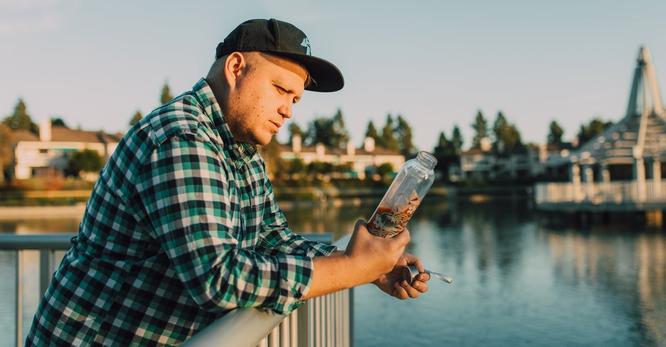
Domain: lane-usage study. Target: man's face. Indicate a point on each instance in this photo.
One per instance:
(263, 97)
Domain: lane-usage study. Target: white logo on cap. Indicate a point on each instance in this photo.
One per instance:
(306, 43)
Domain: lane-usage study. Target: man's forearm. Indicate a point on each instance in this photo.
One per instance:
(332, 273)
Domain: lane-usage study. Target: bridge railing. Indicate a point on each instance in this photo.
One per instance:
(649, 191)
(322, 321)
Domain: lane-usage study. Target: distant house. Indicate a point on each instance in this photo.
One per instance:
(362, 161)
(484, 164)
(50, 151)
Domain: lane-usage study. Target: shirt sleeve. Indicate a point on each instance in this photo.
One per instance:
(184, 190)
(276, 237)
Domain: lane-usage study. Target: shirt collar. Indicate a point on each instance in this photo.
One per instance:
(237, 150)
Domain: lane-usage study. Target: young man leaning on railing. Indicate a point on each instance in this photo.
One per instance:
(182, 225)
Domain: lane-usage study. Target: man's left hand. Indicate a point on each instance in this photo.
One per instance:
(399, 282)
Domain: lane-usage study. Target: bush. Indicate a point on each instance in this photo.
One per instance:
(87, 160)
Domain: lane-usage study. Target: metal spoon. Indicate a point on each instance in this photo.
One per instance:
(440, 276)
(434, 274)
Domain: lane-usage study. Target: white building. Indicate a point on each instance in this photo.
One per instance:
(483, 164)
(361, 160)
(50, 151)
(623, 166)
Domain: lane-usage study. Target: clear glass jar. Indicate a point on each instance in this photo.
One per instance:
(404, 195)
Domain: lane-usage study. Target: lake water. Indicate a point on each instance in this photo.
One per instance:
(517, 282)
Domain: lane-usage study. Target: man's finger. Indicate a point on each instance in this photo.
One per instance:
(414, 260)
(400, 292)
(420, 286)
(411, 291)
(423, 277)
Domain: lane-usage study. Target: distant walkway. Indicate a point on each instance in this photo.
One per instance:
(42, 212)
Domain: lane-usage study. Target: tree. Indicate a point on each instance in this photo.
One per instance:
(500, 127)
(296, 166)
(135, 118)
(6, 151)
(507, 137)
(512, 139)
(403, 133)
(320, 131)
(165, 96)
(388, 139)
(295, 129)
(443, 152)
(339, 132)
(58, 122)
(457, 140)
(555, 134)
(384, 169)
(20, 119)
(591, 130)
(480, 127)
(87, 160)
(371, 131)
(328, 131)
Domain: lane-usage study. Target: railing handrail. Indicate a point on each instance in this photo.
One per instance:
(245, 326)
(240, 327)
(62, 241)
(55, 241)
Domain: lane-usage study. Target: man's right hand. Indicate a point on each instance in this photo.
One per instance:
(372, 256)
(366, 258)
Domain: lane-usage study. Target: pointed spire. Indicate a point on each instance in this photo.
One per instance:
(644, 98)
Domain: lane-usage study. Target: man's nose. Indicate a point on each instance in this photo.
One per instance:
(285, 110)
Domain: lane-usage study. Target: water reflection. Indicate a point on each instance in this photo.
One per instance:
(516, 282)
(626, 267)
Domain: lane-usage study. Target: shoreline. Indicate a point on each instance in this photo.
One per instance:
(326, 198)
(42, 212)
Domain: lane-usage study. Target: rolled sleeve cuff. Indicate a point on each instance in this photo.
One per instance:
(320, 249)
(295, 273)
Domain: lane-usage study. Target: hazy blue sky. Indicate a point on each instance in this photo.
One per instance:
(435, 62)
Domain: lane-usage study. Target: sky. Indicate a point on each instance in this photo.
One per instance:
(94, 63)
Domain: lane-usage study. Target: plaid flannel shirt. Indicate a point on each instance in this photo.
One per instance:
(181, 227)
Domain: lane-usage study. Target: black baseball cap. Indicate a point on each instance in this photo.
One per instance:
(285, 40)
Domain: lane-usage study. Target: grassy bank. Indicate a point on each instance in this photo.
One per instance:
(322, 192)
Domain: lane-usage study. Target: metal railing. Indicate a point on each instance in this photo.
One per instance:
(47, 245)
(325, 321)
(322, 321)
(601, 192)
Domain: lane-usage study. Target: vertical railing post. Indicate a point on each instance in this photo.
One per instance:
(303, 319)
(351, 316)
(284, 333)
(19, 298)
(293, 326)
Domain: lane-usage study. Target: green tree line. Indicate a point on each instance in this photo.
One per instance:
(394, 134)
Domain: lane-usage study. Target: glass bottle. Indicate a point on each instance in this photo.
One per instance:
(404, 195)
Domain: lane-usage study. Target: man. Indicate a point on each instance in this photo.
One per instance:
(182, 225)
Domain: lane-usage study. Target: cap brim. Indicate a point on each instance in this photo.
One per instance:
(325, 77)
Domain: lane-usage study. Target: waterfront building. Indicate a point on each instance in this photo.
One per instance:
(361, 161)
(622, 168)
(484, 164)
(50, 151)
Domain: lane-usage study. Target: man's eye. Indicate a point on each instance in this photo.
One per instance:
(280, 89)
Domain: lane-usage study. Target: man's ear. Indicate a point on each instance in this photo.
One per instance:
(233, 68)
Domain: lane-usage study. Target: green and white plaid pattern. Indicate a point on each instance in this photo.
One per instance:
(181, 227)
